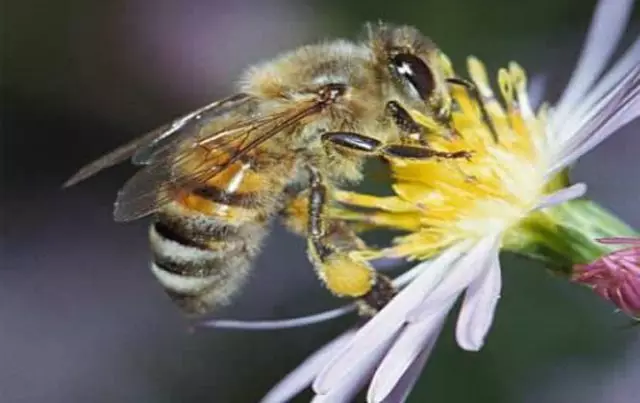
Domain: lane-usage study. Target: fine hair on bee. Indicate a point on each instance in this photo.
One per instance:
(299, 126)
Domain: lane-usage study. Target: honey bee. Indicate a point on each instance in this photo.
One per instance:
(300, 126)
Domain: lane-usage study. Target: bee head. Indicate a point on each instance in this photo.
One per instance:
(414, 64)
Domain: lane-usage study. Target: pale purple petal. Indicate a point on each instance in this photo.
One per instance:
(607, 26)
(301, 377)
(591, 116)
(408, 276)
(304, 375)
(383, 327)
(478, 306)
(460, 275)
(619, 107)
(630, 59)
(562, 195)
(353, 380)
(404, 386)
(413, 340)
(280, 323)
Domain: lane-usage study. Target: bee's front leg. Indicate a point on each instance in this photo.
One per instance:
(475, 94)
(368, 146)
(410, 131)
(371, 147)
(329, 242)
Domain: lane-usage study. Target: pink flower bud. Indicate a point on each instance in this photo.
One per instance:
(616, 276)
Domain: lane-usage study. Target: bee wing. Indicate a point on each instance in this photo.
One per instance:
(142, 149)
(187, 166)
(187, 126)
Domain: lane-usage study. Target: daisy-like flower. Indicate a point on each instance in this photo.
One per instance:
(616, 276)
(513, 194)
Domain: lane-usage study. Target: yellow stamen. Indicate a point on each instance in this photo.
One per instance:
(443, 202)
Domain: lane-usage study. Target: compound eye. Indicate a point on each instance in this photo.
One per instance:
(416, 72)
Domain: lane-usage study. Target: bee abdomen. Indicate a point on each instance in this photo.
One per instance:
(203, 262)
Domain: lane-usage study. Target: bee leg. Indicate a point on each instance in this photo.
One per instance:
(328, 243)
(295, 216)
(371, 146)
(475, 94)
(355, 142)
(410, 152)
(421, 153)
(410, 130)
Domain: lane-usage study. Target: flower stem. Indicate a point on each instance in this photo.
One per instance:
(564, 235)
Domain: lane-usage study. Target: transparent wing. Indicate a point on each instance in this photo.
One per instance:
(187, 126)
(186, 165)
(142, 149)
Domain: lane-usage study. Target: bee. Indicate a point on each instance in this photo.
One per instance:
(299, 127)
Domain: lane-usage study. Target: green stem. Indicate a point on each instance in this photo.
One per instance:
(566, 234)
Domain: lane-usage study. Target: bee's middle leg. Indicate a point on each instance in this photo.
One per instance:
(329, 241)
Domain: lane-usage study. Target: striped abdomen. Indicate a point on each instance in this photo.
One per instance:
(204, 242)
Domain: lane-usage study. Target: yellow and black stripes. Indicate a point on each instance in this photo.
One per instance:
(201, 263)
(203, 243)
(229, 199)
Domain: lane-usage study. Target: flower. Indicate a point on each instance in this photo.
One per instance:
(513, 194)
(616, 276)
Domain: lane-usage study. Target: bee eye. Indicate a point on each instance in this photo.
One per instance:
(416, 72)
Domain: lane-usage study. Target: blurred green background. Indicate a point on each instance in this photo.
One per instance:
(82, 319)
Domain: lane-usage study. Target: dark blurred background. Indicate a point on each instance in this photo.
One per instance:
(83, 320)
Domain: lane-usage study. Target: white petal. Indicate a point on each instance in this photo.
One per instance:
(383, 327)
(343, 389)
(280, 323)
(404, 386)
(630, 59)
(616, 115)
(460, 275)
(617, 109)
(478, 307)
(301, 377)
(594, 114)
(414, 339)
(607, 26)
(408, 276)
(563, 195)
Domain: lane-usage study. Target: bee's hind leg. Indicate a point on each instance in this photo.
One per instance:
(329, 241)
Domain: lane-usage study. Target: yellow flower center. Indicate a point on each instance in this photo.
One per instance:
(441, 202)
